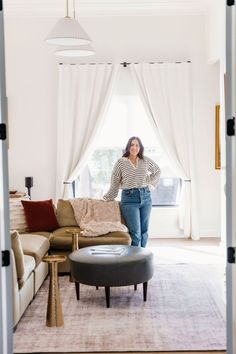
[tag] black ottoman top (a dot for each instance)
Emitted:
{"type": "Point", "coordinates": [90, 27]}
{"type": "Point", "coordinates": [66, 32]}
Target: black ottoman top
{"type": "Point", "coordinates": [112, 265]}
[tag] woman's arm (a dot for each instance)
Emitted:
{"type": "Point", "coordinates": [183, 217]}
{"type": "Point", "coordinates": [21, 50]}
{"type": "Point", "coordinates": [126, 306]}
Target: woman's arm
{"type": "Point", "coordinates": [115, 183]}
{"type": "Point", "coordinates": [155, 173]}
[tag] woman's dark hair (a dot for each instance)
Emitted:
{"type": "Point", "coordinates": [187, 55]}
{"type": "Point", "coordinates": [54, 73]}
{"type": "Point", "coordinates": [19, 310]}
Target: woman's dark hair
{"type": "Point", "coordinates": [128, 145]}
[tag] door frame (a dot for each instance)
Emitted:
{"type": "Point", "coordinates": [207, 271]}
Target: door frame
{"type": "Point", "coordinates": [6, 345]}
{"type": "Point", "coordinates": [6, 342]}
{"type": "Point", "coordinates": [230, 112]}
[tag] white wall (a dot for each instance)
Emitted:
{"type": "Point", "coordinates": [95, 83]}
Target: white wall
{"type": "Point", "coordinates": [215, 31]}
{"type": "Point", "coordinates": [206, 83]}
{"type": "Point", "coordinates": [32, 89]}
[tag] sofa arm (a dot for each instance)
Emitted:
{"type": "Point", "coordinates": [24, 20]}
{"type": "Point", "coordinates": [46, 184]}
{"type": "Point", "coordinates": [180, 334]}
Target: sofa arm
{"type": "Point", "coordinates": [15, 291]}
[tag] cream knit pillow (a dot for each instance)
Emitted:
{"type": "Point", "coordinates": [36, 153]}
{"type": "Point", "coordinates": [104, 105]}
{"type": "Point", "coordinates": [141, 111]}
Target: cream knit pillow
{"type": "Point", "coordinates": [17, 215]}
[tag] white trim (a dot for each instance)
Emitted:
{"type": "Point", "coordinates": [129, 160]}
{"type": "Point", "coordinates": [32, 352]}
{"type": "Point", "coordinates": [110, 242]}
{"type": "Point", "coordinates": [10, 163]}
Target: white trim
{"type": "Point", "coordinates": [5, 242]}
{"type": "Point", "coordinates": [209, 233]}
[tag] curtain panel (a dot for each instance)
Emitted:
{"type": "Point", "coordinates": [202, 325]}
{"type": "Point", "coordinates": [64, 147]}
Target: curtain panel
{"type": "Point", "coordinates": [166, 92]}
{"type": "Point", "coordinates": [84, 95]}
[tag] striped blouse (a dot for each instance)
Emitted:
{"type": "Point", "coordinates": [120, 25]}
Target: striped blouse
{"type": "Point", "coordinates": [126, 176]}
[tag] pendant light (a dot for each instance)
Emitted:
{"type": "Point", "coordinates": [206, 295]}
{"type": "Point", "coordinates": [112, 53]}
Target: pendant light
{"type": "Point", "coordinates": [68, 32]}
{"type": "Point", "coordinates": [75, 52]}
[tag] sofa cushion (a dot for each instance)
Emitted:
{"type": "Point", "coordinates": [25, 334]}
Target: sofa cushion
{"type": "Point", "coordinates": [61, 239]}
{"type": "Point", "coordinates": [112, 238]}
{"type": "Point", "coordinates": [18, 253]}
{"type": "Point", "coordinates": [65, 213]}
{"type": "Point", "coordinates": [42, 233]}
{"type": "Point", "coordinates": [29, 268]}
{"type": "Point", "coordinates": [17, 215]}
{"type": "Point", "coordinates": [40, 215]}
{"type": "Point", "coordinates": [35, 245]}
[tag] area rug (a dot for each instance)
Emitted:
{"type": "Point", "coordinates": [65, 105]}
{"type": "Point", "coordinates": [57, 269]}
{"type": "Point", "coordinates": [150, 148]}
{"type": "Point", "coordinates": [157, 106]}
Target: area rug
{"type": "Point", "coordinates": [181, 314]}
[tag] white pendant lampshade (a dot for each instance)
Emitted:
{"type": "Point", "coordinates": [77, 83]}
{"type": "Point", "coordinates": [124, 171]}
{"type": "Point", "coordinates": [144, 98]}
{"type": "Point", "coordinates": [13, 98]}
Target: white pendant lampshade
{"type": "Point", "coordinates": [68, 32]}
{"type": "Point", "coordinates": [74, 52]}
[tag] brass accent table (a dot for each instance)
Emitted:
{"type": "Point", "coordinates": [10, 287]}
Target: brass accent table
{"type": "Point", "coordinates": [75, 245]}
{"type": "Point", "coordinates": [54, 310]}
{"type": "Point", "coordinates": [75, 235]}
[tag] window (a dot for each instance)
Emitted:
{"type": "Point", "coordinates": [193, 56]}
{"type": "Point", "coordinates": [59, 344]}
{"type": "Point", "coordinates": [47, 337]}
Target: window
{"type": "Point", "coordinates": [126, 117]}
{"type": "Point", "coordinates": [167, 192]}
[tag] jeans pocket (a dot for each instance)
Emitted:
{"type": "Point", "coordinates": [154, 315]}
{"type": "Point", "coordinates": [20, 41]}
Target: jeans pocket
{"type": "Point", "coordinates": [126, 193]}
{"type": "Point", "coordinates": [129, 197]}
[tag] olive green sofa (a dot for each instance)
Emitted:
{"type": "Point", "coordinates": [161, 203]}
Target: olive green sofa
{"type": "Point", "coordinates": [29, 248]}
{"type": "Point", "coordinates": [61, 239]}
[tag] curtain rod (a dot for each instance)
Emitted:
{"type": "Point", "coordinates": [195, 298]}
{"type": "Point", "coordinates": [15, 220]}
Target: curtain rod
{"type": "Point", "coordinates": [125, 64]}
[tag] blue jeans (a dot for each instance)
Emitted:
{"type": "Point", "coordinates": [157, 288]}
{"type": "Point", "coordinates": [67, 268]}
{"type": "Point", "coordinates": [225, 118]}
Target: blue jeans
{"type": "Point", "coordinates": [136, 205]}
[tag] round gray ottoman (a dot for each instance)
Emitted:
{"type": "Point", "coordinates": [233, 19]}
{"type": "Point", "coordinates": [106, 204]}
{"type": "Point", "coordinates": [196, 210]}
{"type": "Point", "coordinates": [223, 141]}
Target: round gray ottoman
{"type": "Point", "coordinates": [111, 265]}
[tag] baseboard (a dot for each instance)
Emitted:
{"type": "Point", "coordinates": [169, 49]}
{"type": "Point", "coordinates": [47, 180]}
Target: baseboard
{"type": "Point", "coordinates": [209, 233]}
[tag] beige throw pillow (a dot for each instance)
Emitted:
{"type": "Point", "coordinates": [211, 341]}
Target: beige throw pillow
{"type": "Point", "coordinates": [65, 214]}
{"type": "Point", "coordinates": [18, 253]}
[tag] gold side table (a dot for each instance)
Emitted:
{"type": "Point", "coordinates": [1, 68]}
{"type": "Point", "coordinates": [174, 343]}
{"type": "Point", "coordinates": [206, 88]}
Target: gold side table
{"type": "Point", "coordinates": [74, 246]}
{"type": "Point", "coordinates": [54, 310]}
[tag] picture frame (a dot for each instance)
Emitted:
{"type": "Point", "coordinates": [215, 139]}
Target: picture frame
{"type": "Point", "coordinates": [217, 138]}
{"type": "Point", "coordinates": [7, 122]}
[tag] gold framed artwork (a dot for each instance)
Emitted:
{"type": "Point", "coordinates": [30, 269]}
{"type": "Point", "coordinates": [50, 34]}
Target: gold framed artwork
{"type": "Point", "coordinates": [7, 122]}
{"type": "Point", "coordinates": [217, 138]}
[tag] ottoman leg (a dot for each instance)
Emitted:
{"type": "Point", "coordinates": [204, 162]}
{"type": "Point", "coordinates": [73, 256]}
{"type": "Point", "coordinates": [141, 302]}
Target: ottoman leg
{"type": "Point", "coordinates": [145, 291]}
{"type": "Point", "coordinates": [107, 291]}
{"type": "Point", "coordinates": [135, 287]}
{"type": "Point", "coordinates": [77, 289]}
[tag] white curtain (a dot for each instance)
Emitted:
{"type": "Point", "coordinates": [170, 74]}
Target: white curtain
{"type": "Point", "coordinates": [166, 92]}
{"type": "Point", "coordinates": [84, 95]}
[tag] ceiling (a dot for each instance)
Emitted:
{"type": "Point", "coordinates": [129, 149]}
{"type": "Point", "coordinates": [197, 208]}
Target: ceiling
{"type": "Point", "coordinates": [87, 8]}
{"type": "Point", "coordinates": [161, 29]}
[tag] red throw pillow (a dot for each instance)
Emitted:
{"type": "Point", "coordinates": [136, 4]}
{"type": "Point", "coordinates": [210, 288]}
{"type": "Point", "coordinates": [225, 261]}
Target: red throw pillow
{"type": "Point", "coordinates": [40, 215]}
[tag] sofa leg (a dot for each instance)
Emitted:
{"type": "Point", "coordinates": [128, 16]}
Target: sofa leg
{"type": "Point", "coordinates": [135, 286]}
{"type": "Point", "coordinates": [71, 279]}
{"type": "Point", "coordinates": [97, 287]}
{"type": "Point", "coordinates": [107, 291]}
{"type": "Point", "coordinates": [145, 291]}
{"type": "Point", "coordinates": [77, 289]}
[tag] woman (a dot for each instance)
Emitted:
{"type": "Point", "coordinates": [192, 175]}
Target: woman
{"type": "Point", "coordinates": [135, 174]}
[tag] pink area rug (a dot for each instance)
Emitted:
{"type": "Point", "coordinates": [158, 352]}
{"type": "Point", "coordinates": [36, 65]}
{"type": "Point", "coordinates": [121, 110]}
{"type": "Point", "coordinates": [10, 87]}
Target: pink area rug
{"type": "Point", "coordinates": [181, 314]}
